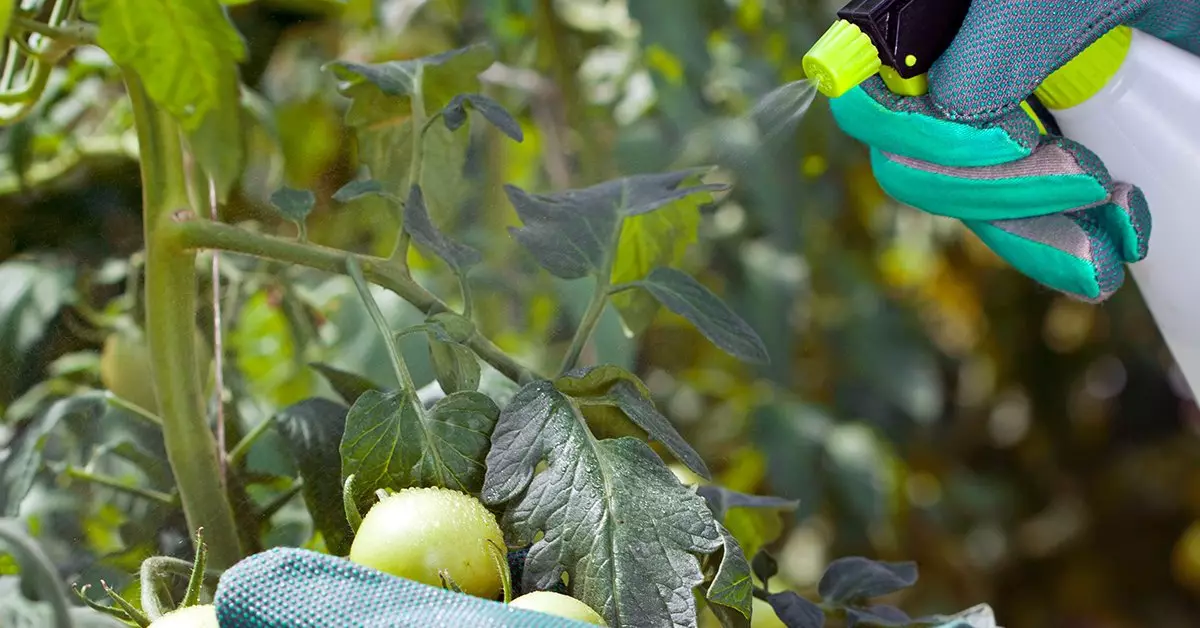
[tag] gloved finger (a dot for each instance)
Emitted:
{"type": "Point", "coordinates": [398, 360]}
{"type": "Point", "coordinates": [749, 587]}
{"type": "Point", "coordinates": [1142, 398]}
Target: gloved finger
{"type": "Point", "coordinates": [911, 126]}
{"type": "Point", "coordinates": [1079, 253]}
{"type": "Point", "coordinates": [1006, 48]}
{"type": "Point", "coordinates": [1059, 176]}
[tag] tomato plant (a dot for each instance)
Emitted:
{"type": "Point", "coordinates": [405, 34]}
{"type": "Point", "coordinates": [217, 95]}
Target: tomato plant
{"type": "Point", "coordinates": [547, 451]}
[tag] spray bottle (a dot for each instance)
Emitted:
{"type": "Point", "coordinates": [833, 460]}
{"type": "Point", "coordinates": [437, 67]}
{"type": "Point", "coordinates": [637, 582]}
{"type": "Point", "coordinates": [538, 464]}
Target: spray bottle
{"type": "Point", "coordinates": [1129, 97]}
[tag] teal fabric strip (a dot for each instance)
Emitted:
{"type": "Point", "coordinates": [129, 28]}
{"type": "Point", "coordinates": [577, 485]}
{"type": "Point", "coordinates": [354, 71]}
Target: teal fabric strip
{"type": "Point", "coordinates": [1048, 265]}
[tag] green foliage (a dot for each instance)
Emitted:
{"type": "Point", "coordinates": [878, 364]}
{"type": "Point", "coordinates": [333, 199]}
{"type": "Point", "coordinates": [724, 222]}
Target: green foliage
{"type": "Point", "coordinates": [313, 431]}
{"type": "Point", "coordinates": [596, 502]}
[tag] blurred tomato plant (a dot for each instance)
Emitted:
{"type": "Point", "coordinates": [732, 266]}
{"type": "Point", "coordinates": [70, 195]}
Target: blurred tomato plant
{"type": "Point", "coordinates": [325, 187]}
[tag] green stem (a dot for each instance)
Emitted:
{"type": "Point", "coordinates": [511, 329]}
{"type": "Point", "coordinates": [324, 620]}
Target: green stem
{"type": "Point", "coordinates": [197, 234]}
{"type": "Point", "coordinates": [243, 446]}
{"type": "Point", "coordinates": [419, 124]}
{"type": "Point", "coordinates": [117, 485]}
{"type": "Point", "coordinates": [389, 340]}
{"type": "Point", "coordinates": [587, 325]}
{"type": "Point", "coordinates": [138, 411]}
{"type": "Point", "coordinates": [78, 33]}
{"type": "Point", "coordinates": [170, 309]}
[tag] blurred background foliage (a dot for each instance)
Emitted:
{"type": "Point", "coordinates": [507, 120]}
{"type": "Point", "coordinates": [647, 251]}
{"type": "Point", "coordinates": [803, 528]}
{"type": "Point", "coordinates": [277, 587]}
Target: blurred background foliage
{"type": "Point", "coordinates": [923, 402]}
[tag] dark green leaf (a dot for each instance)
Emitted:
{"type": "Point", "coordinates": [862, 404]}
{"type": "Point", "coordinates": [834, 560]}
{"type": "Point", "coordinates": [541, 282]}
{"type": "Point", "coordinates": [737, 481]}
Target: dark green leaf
{"type": "Point", "coordinates": [614, 517]}
{"type": "Point", "coordinates": [313, 431]}
{"type": "Point", "coordinates": [753, 519]}
{"type": "Point", "coordinates": [392, 442]}
{"type": "Point", "coordinates": [350, 386]}
{"type": "Point", "coordinates": [380, 91]}
{"type": "Point", "coordinates": [293, 204]}
{"type": "Point", "coordinates": [35, 290]}
{"type": "Point", "coordinates": [571, 233]}
{"type": "Point", "coordinates": [451, 326]}
{"type": "Point", "coordinates": [183, 52]}
{"type": "Point", "coordinates": [854, 578]}
{"type": "Point", "coordinates": [456, 367]}
{"type": "Point", "coordinates": [796, 611]}
{"type": "Point", "coordinates": [728, 578]}
{"type": "Point", "coordinates": [614, 386]}
{"type": "Point", "coordinates": [417, 223]}
{"type": "Point", "coordinates": [357, 189]}
{"type": "Point", "coordinates": [764, 566]}
{"type": "Point", "coordinates": [25, 452]}
{"type": "Point", "coordinates": [455, 114]}
{"type": "Point", "coordinates": [685, 296]}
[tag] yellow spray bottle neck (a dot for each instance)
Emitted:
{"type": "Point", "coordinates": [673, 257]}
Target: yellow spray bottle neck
{"type": "Point", "coordinates": [845, 56]}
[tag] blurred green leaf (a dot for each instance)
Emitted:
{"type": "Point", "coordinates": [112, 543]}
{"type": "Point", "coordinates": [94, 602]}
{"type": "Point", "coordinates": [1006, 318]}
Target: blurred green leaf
{"type": "Point", "coordinates": [571, 233]}
{"type": "Point", "coordinates": [313, 430]}
{"type": "Point", "coordinates": [455, 114]}
{"type": "Point", "coordinates": [295, 205]}
{"type": "Point", "coordinates": [685, 296]}
{"type": "Point", "coordinates": [24, 459]}
{"type": "Point", "coordinates": [754, 520]}
{"type": "Point", "coordinates": [796, 611]}
{"type": "Point", "coordinates": [357, 189]}
{"type": "Point", "coordinates": [391, 441]}
{"type": "Point", "coordinates": [217, 142]}
{"type": "Point", "coordinates": [855, 579]}
{"type": "Point", "coordinates": [35, 290]}
{"type": "Point", "coordinates": [184, 52]}
{"type": "Point", "coordinates": [595, 501]}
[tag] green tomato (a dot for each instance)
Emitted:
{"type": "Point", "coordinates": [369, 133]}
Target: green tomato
{"type": "Point", "coordinates": [201, 616]}
{"type": "Point", "coordinates": [125, 366]}
{"type": "Point", "coordinates": [416, 532]}
{"type": "Point", "coordinates": [559, 605]}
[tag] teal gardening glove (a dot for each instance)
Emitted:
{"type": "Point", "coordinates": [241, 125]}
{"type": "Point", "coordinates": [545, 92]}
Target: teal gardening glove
{"type": "Point", "coordinates": [968, 150]}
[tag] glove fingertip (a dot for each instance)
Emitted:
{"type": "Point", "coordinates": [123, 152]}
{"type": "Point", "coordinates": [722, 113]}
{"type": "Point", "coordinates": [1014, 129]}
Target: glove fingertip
{"type": "Point", "coordinates": [1127, 220]}
{"type": "Point", "coordinates": [1069, 253]}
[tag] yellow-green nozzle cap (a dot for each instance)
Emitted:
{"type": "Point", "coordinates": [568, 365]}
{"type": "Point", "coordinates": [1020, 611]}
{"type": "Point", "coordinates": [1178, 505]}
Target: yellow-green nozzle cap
{"type": "Point", "coordinates": [841, 59]}
{"type": "Point", "coordinates": [1088, 72]}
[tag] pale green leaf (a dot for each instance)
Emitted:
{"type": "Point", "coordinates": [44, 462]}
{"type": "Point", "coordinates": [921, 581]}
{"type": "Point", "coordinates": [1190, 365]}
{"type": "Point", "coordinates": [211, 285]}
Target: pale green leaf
{"type": "Point", "coordinates": [184, 52]}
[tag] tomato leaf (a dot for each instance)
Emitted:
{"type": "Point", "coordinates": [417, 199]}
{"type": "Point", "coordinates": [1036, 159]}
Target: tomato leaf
{"type": "Point", "coordinates": [613, 386]}
{"type": "Point", "coordinates": [417, 223]}
{"type": "Point", "coordinates": [35, 290]}
{"type": "Point", "coordinates": [24, 459]}
{"type": "Point", "coordinates": [217, 142]}
{"type": "Point", "coordinates": [650, 240]}
{"type": "Point", "coordinates": [754, 520]}
{"type": "Point", "coordinates": [727, 576]}
{"type": "Point", "coordinates": [456, 367]}
{"type": "Point", "coordinates": [357, 189]}
{"type": "Point", "coordinates": [455, 114]}
{"type": "Point", "coordinates": [878, 615]}
{"type": "Point", "coordinates": [690, 299]}
{"type": "Point", "coordinates": [854, 578]}
{"type": "Point", "coordinates": [796, 611]}
{"type": "Point", "coordinates": [614, 517]}
{"type": "Point", "coordinates": [391, 441]}
{"type": "Point", "coordinates": [293, 204]}
{"type": "Point", "coordinates": [184, 52]}
{"type": "Point", "coordinates": [571, 233]}
{"type": "Point", "coordinates": [312, 430]}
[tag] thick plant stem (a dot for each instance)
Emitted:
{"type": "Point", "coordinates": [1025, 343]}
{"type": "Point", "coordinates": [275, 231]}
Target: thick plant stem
{"type": "Point", "coordinates": [170, 312]}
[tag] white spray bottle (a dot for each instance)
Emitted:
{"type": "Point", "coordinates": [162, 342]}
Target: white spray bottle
{"type": "Point", "coordinates": [1134, 100]}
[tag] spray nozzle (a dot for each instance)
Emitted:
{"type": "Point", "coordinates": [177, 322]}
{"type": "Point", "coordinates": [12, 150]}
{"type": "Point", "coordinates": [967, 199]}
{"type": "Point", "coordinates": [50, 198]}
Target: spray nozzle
{"type": "Point", "coordinates": [899, 39]}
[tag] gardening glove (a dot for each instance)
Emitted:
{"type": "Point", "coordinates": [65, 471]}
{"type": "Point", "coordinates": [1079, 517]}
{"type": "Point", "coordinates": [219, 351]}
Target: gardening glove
{"type": "Point", "coordinates": [969, 151]}
{"type": "Point", "coordinates": [294, 588]}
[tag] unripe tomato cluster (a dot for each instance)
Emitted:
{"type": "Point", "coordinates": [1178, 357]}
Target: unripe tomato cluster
{"type": "Point", "coordinates": [417, 533]}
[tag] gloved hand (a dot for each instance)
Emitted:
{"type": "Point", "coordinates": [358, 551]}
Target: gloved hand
{"type": "Point", "coordinates": [297, 588]}
{"type": "Point", "coordinates": [968, 150]}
